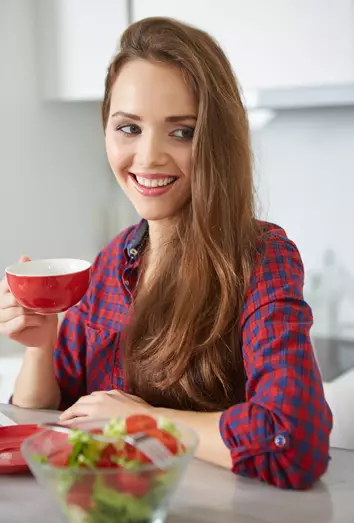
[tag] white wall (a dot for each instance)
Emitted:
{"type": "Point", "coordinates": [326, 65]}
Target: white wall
{"type": "Point", "coordinates": [304, 164]}
{"type": "Point", "coordinates": [57, 194]}
{"type": "Point", "coordinates": [304, 160]}
{"type": "Point", "coordinates": [50, 156]}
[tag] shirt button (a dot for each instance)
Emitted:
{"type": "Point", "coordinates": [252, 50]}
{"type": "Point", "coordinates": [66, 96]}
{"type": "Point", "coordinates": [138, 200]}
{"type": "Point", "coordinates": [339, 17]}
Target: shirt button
{"type": "Point", "coordinates": [280, 440]}
{"type": "Point", "coordinates": [133, 252]}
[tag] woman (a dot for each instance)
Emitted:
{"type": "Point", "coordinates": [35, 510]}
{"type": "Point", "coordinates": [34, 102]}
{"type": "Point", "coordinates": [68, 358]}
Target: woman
{"type": "Point", "coordinates": [197, 312]}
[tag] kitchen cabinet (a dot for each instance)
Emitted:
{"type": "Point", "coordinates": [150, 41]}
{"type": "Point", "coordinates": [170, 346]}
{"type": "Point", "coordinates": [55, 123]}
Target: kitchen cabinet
{"type": "Point", "coordinates": [285, 53]}
{"type": "Point", "coordinates": [76, 40]}
{"type": "Point", "coordinates": [273, 44]}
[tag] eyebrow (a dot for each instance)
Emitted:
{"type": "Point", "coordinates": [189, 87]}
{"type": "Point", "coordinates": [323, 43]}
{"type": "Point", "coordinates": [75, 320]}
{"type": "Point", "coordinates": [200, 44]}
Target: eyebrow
{"type": "Point", "coordinates": [177, 118]}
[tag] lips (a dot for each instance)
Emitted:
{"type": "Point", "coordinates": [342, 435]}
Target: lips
{"type": "Point", "coordinates": [152, 184]}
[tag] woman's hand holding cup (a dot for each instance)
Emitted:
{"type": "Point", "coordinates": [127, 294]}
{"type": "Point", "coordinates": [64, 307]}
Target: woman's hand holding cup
{"type": "Point", "coordinates": [23, 325]}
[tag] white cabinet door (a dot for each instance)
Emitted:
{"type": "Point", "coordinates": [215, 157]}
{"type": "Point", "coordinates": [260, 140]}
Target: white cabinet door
{"type": "Point", "coordinates": [273, 43]}
{"type": "Point", "coordinates": [76, 40]}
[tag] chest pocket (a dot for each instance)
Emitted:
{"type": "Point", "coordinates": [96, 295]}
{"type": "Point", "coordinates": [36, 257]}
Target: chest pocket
{"type": "Point", "coordinates": [102, 359]}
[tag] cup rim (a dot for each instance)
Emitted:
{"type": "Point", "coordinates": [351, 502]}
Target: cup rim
{"type": "Point", "coordinates": [144, 468]}
{"type": "Point", "coordinates": [14, 270]}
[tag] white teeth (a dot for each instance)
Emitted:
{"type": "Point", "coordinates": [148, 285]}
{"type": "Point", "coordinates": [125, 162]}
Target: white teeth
{"type": "Point", "coordinates": [147, 182]}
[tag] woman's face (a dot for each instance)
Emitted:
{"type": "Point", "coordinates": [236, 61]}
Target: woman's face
{"type": "Point", "coordinates": [149, 137]}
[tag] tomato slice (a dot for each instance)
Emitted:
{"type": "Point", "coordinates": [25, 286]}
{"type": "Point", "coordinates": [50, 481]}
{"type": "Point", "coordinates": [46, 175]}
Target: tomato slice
{"type": "Point", "coordinates": [140, 423]}
{"type": "Point", "coordinates": [59, 459]}
{"type": "Point", "coordinates": [105, 461]}
{"type": "Point", "coordinates": [133, 454]}
{"type": "Point", "coordinates": [80, 494]}
{"type": "Point", "coordinates": [128, 483]}
{"type": "Point", "coordinates": [109, 451]}
{"type": "Point", "coordinates": [135, 485]}
{"type": "Point", "coordinates": [169, 441]}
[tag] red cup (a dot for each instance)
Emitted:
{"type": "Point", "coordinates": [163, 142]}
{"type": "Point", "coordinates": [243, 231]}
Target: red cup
{"type": "Point", "coordinates": [49, 286]}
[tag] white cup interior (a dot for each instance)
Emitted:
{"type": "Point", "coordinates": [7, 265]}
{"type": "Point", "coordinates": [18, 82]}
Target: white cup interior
{"type": "Point", "coordinates": [49, 267]}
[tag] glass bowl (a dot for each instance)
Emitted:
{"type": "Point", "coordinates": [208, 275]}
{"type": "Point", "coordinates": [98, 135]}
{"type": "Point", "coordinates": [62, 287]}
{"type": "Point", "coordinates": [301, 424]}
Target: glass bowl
{"type": "Point", "coordinates": [106, 495]}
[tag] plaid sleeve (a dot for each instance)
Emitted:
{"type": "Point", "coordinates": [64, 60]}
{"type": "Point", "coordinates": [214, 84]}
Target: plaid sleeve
{"type": "Point", "coordinates": [281, 433]}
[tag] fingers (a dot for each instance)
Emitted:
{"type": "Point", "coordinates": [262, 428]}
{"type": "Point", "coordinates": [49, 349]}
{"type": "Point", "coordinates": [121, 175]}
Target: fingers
{"type": "Point", "coordinates": [24, 259]}
{"type": "Point", "coordinates": [67, 415]}
{"type": "Point", "coordinates": [4, 286]}
{"type": "Point", "coordinates": [80, 408]}
{"type": "Point", "coordinates": [7, 300]}
{"type": "Point", "coordinates": [11, 312]}
{"type": "Point", "coordinates": [79, 419]}
{"type": "Point", "coordinates": [19, 323]}
{"type": "Point", "coordinates": [85, 406]}
{"type": "Point", "coordinates": [75, 411]}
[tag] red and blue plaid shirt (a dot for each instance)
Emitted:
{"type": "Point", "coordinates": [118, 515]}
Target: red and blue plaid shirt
{"type": "Point", "coordinates": [280, 434]}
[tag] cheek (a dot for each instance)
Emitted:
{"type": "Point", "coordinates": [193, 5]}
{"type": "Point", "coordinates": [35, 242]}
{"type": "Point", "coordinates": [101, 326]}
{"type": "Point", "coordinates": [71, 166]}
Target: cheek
{"type": "Point", "coordinates": [118, 155]}
{"type": "Point", "coordinates": [111, 151]}
{"type": "Point", "coordinates": [184, 162]}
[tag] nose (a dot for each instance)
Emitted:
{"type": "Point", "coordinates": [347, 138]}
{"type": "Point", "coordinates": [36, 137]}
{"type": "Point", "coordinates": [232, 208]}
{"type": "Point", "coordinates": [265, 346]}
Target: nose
{"type": "Point", "coordinates": [150, 152]}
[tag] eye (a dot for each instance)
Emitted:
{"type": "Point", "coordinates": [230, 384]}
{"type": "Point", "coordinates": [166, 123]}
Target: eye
{"type": "Point", "coordinates": [185, 134]}
{"type": "Point", "coordinates": [129, 129]}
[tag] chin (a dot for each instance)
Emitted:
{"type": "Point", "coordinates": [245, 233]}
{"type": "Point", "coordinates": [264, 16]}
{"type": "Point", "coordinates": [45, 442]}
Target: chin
{"type": "Point", "coordinates": [154, 216]}
{"type": "Point", "coordinates": [154, 213]}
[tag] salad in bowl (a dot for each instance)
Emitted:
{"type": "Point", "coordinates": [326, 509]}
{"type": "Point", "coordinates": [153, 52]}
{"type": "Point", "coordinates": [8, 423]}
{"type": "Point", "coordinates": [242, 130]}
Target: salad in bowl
{"type": "Point", "coordinates": [95, 481]}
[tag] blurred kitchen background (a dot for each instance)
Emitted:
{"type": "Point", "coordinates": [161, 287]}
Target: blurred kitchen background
{"type": "Point", "coordinates": [295, 62]}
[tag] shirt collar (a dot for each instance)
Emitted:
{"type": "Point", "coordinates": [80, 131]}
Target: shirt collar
{"type": "Point", "coordinates": [135, 240]}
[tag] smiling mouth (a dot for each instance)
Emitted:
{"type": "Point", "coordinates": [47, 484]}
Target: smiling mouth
{"type": "Point", "coordinates": [153, 182]}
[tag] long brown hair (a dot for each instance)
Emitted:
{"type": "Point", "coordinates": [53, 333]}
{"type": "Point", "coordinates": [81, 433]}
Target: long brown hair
{"type": "Point", "coordinates": [183, 348]}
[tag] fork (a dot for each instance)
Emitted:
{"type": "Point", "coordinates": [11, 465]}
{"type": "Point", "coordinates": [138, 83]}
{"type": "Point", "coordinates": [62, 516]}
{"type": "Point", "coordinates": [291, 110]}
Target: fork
{"type": "Point", "coordinates": [149, 446]}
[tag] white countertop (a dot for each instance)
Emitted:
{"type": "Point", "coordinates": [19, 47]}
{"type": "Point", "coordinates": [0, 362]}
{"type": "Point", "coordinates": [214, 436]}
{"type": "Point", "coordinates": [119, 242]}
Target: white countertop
{"type": "Point", "coordinates": [207, 494]}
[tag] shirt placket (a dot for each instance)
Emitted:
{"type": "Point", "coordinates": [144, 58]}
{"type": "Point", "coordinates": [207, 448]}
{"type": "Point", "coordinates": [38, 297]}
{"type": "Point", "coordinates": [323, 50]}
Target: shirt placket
{"type": "Point", "coordinates": [129, 281]}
